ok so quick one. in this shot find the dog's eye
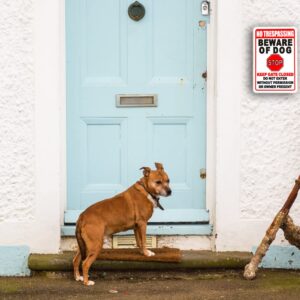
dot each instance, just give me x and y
(168, 180)
(158, 182)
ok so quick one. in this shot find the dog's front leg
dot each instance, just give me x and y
(141, 231)
(137, 237)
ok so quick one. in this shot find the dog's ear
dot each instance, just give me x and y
(159, 166)
(146, 171)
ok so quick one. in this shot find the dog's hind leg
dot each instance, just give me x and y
(76, 264)
(94, 243)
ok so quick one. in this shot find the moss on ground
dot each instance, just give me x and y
(188, 285)
(280, 280)
(9, 286)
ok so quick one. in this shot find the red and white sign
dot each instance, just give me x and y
(275, 60)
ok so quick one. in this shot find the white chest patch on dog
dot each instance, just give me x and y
(154, 203)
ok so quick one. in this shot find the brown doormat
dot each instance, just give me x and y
(161, 255)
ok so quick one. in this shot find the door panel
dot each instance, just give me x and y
(163, 54)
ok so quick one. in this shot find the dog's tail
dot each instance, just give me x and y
(80, 240)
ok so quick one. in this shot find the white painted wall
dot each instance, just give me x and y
(253, 144)
(258, 136)
(31, 101)
(17, 114)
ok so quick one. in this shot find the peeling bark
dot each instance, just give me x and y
(291, 231)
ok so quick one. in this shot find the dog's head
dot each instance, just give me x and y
(157, 181)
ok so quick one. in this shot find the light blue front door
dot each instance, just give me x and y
(163, 54)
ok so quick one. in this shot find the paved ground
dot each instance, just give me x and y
(150, 285)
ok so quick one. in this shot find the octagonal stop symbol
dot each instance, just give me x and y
(275, 62)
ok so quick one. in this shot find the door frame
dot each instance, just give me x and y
(55, 120)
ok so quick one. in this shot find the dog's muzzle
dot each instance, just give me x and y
(169, 192)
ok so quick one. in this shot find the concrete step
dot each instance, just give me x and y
(190, 260)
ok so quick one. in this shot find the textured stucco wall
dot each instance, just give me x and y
(31, 101)
(270, 124)
(17, 110)
(258, 135)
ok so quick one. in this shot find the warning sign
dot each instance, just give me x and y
(274, 59)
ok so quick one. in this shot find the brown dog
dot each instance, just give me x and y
(129, 210)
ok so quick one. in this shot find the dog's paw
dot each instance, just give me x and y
(79, 278)
(149, 253)
(90, 282)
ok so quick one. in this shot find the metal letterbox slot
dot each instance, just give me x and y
(136, 100)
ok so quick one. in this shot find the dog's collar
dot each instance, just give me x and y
(154, 199)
